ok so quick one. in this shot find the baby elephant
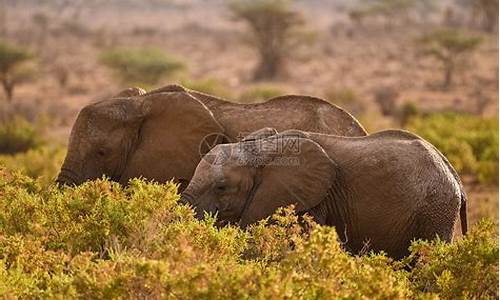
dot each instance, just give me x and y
(382, 190)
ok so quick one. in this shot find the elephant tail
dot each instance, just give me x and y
(463, 213)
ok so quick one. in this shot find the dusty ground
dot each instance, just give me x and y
(343, 56)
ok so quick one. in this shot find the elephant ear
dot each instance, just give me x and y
(125, 106)
(297, 171)
(178, 130)
(260, 134)
(124, 110)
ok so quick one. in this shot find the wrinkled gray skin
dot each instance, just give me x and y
(158, 135)
(383, 190)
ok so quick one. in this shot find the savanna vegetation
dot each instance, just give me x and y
(426, 66)
(104, 241)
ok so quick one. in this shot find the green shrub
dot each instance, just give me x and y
(101, 240)
(140, 65)
(408, 111)
(43, 163)
(18, 135)
(446, 269)
(469, 142)
(260, 93)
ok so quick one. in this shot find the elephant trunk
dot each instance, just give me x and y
(67, 177)
(71, 169)
(186, 199)
(68, 174)
(191, 193)
(199, 204)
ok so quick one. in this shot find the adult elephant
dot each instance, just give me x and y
(159, 135)
(382, 190)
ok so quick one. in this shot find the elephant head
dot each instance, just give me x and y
(124, 137)
(247, 181)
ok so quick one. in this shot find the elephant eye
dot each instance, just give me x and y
(220, 187)
(101, 152)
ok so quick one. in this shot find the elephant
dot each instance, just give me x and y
(159, 135)
(380, 191)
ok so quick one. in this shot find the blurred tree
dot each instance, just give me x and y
(140, 66)
(357, 15)
(41, 21)
(3, 18)
(386, 98)
(483, 12)
(487, 10)
(407, 111)
(451, 47)
(391, 10)
(13, 69)
(61, 72)
(273, 26)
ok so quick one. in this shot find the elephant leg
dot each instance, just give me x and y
(430, 230)
(438, 222)
(319, 213)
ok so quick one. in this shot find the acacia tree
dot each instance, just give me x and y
(41, 21)
(273, 25)
(12, 71)
(145, 66)
(450, 47)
